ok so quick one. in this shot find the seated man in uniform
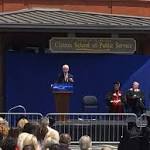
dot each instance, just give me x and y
(135, 99)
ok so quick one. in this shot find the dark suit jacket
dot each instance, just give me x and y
(132, 101)
(61, 78)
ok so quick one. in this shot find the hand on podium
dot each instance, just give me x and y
(71, 79)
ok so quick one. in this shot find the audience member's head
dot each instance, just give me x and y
(65, 139)
(131, 122)
(30, 140)
(21, 122)
(29, 128)
(85, 142)
(3, 121)
(9, 144)
(44, 121)
(4, 128)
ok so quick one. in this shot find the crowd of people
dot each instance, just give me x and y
(39, 135)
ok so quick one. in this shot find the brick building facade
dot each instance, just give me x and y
(127, 7)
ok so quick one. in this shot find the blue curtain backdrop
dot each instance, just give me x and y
(28, 78)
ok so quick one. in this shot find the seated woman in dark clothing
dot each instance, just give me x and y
(115, 99)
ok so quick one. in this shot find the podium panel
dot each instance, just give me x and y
(62, 102)
(62, 93)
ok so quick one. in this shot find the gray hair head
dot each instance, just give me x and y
(44, 121)
(85, 142)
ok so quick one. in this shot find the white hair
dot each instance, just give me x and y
(65, 66)
(136, 83)
(85, 142)
(44, 121)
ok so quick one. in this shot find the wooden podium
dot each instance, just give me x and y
(62, 93)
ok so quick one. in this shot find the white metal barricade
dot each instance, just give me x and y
(101, 127)
(17, 108)
(13, 117)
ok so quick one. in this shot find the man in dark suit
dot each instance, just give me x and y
(65, 76)
(135, 99)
